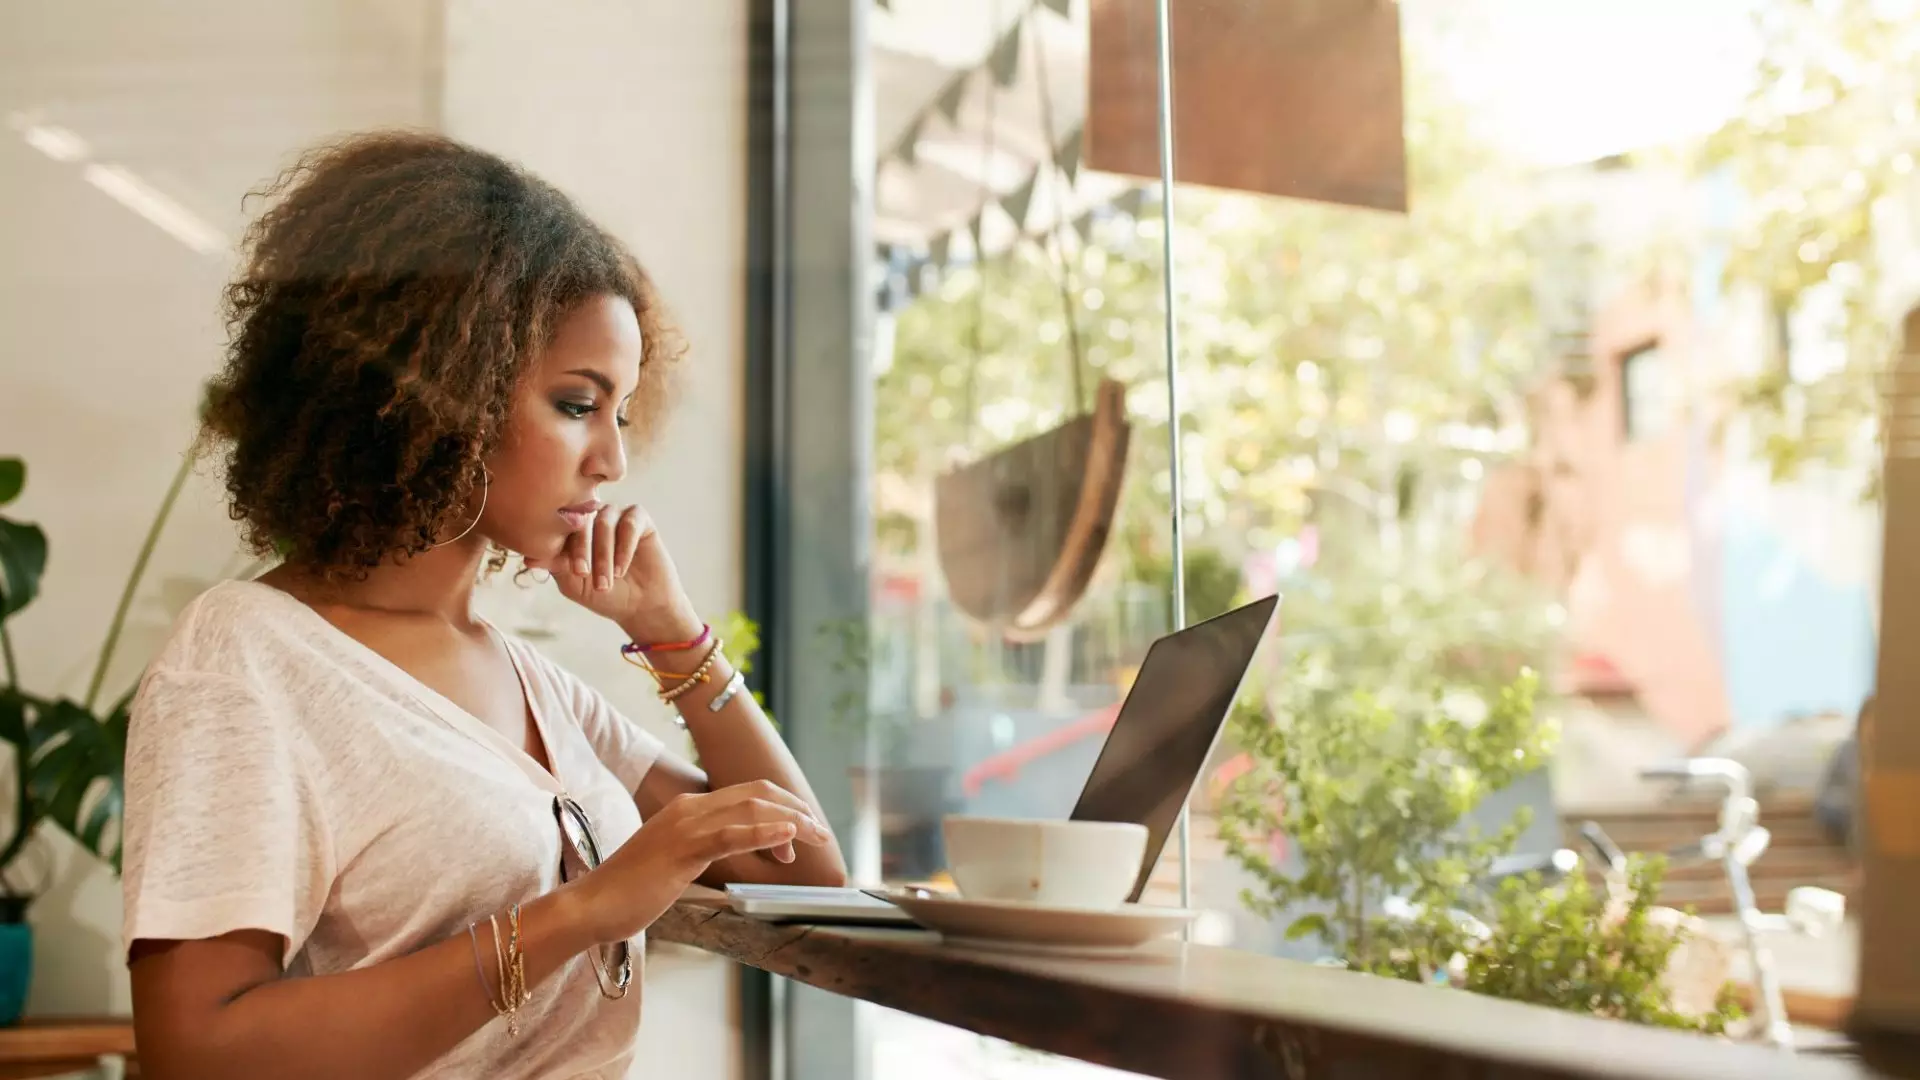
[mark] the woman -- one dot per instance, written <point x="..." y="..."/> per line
<point x="340" y="771"/>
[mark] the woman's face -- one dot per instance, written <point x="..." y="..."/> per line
<point x="564" y="439"/>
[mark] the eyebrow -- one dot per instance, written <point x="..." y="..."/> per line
<point x="605" y="384"/>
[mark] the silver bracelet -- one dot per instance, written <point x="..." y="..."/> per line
<point x="734" y="686"/>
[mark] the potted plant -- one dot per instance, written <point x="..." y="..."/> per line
<point x="68" y="756"/>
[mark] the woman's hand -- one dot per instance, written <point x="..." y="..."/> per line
<point x="676" y="845"/>
<point x="618" y="566"/>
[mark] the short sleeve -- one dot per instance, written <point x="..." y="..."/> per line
<point x="624" y="747"/>
<point x="224" y="827"/>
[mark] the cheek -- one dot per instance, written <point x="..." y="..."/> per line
<point x="536" y="458"/>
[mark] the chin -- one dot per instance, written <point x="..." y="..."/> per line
<point x="535" y="543"/>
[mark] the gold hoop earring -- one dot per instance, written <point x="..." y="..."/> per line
<point x="486" y="486"/>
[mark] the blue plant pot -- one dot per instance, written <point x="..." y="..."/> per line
<point x="16" y="970"/>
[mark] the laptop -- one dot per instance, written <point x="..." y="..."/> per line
<point x="1146" y="771"/>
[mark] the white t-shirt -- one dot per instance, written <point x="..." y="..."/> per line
<point x="282" y="776"/>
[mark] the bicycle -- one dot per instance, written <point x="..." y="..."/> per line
<point x="1738" y="840"/>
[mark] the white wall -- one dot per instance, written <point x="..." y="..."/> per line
<point x="109" y="325"/>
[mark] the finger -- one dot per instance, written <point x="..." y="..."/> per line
<point x="769" y="792"/>
<point x="726" y="806"/>
<point x="785" y="853"/>
<point x="632" y="528"/>
<point x="576" y="552"/>
<point x="807" y="830"/>
<point x="742" y="839"/>
<point x="606" y="526"/>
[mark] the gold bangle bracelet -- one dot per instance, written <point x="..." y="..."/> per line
<point x="505" y="1007"/>
<point x="511" y="963"/>
<point x="480" y="972"/>
<point x="521" y="994"/>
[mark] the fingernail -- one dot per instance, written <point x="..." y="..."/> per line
<point x="580" y="567"/>
<point x="784" y="854"/>
<point x="603" y="583"/>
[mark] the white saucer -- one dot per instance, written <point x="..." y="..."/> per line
<point x="1044" y="928"/>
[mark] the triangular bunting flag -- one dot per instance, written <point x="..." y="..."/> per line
<point x="1064" y="7"/>
<point x="1006" y="57"/>
<point x="1067" y="158"/>
<point x="938" y="249"/>
<point x="1130" y="201"/>
<point x="1084" y="226"/>
<point x="973" y="230"/>
<point x="951" y="97"/>
<point x="908" y="148"/>
<point x="1016" y="202"/>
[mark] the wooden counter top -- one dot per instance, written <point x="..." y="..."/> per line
<point x="56" y="1047"/>
<point x="1189" y="1012"/>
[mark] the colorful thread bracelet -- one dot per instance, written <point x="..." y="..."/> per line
<point x="633" y="648"/>
<point x="659" y="676"/>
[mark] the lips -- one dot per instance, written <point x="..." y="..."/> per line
<point x="579" y="515"/>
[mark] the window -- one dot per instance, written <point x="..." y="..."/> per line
<point x="1372" y="423"/>
<point x="1645" y="394"/>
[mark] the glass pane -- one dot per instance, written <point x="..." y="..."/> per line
<point x="1566" y="467"/>
<point x="1019" y="489"/>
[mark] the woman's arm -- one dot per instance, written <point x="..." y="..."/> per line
<point x="218" y="1009"/>
<point x="736" y="745"/>
<point x="619" y="568"/>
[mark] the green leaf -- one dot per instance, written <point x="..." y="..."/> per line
<point x="77" y="772"/>
<point x="1310" y="924"/>
<point x="23" y="558"/>
<point x="13" y="478"/>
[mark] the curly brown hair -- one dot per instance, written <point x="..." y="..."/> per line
<point x="393" y="296"/>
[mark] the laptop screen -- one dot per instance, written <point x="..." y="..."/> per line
<point x="1169" y="723"/>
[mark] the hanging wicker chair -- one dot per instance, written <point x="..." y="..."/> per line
<point x="1020" y="531"/>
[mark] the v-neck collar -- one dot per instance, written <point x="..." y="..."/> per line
<point x="443" y="707"/>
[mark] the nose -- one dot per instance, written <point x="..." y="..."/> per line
<point x="607" y="458"/>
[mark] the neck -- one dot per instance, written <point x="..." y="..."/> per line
<point x="438" y="583"/>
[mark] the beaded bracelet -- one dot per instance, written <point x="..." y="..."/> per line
<point x="681" y="684"/>
<point x="701" y="674"/>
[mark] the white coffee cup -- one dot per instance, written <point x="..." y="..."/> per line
<point x="1084" y="864"/>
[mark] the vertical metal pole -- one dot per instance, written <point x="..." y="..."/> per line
<point x="762" y="997"/>
<point x="826" y="463"/>
<point x="1173" y="382"/>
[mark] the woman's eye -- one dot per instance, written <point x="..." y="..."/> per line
<point x="577" y="410"/>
